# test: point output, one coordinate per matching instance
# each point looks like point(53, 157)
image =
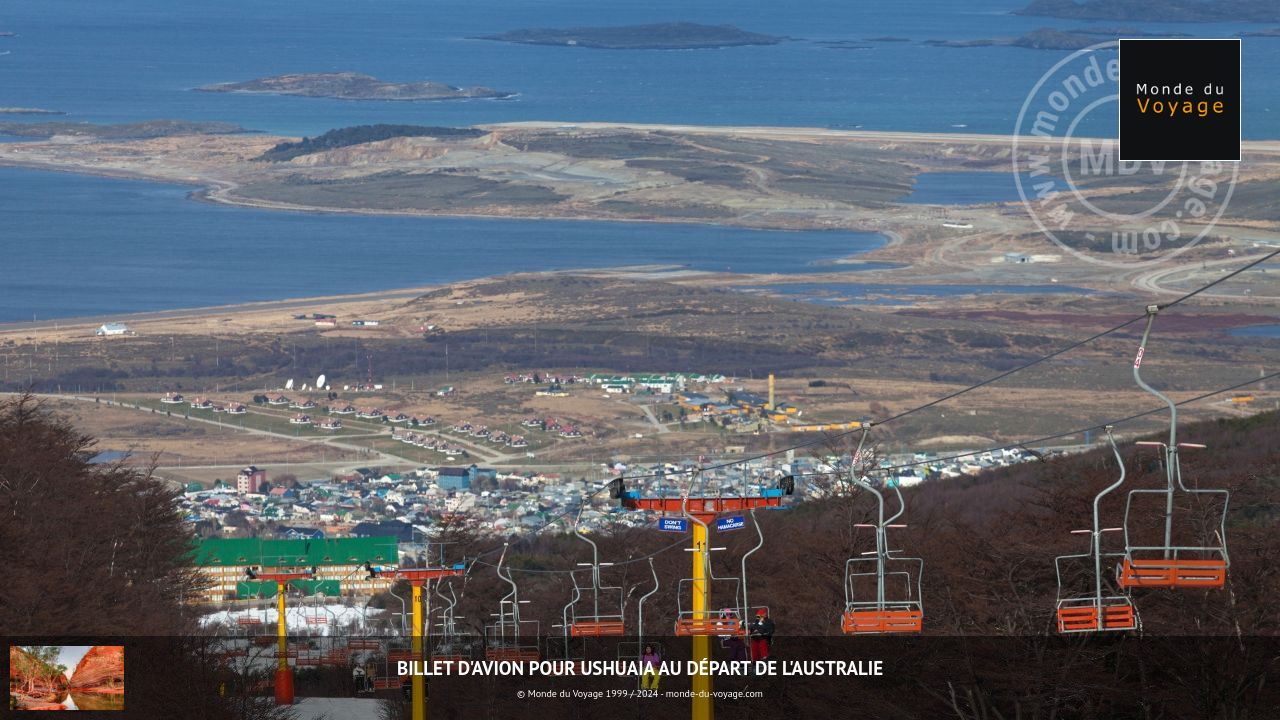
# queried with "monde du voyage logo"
point(1162, 187)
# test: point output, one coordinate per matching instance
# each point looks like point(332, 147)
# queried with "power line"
point(1077, 431)
point(655, 553)
point(950, 396)
point(1222, 279)
point(905, 465)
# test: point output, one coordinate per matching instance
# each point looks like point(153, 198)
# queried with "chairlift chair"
point(504, 638)
point(890, 612)
point(629, 650)
point(318, 616)
point(593, 615)
point(1172, 563)
point(452, 645)
point(1098, 611)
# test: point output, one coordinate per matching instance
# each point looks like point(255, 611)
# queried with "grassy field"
point(864, 360)
point(256, 419)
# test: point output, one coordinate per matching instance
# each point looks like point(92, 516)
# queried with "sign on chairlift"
point(667, 524)
point(737, 522)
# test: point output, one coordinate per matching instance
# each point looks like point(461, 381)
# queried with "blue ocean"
point(129, 246)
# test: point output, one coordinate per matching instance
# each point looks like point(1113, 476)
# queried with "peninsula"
point(353, 86)
point(122, 131)
point(662, 36)
point(770, 178)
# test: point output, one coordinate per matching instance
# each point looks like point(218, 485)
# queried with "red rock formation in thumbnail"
point(100, 670)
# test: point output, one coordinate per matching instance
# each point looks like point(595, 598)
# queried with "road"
point(373, 456)
point(653, 420)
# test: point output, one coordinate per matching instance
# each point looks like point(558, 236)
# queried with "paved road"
point(653, 420)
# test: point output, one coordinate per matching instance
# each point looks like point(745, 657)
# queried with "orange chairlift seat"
point(387, 682)
point(1102, 609)
point(508, 637)
point(1195, 557)
point(319, 615)
point(897, 606)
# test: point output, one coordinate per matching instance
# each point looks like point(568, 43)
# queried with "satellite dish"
point(289, 385)
point(304, 387)
point(320, 380)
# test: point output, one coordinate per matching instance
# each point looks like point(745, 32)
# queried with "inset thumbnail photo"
point(66, 677)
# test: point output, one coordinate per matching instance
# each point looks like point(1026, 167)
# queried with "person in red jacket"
point(761, 632)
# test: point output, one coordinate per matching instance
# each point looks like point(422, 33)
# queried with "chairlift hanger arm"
point(1152, 310)
point(746, 607)
point(1113, 486)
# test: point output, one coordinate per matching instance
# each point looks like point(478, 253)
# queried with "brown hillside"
point(988, 543)
point(989, 649)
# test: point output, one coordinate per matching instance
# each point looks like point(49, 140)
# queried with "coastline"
point(213, 192)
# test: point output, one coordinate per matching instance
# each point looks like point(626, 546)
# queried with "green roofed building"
point(339, 564)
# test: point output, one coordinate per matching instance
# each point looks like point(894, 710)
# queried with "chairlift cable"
point(950, 396)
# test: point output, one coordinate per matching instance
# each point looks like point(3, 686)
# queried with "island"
point(1157, 10)
point(661, 36)
point(28, 111)
point(842, 45)
point(353, 86)
point(1039, 39)
point(123, 131)
point(1128, 32)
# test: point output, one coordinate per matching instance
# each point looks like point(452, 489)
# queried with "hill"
point(360, 134)
point(989, 591)
point(989, 543)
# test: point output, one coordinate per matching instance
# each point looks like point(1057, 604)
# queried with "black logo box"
point(1181, 65)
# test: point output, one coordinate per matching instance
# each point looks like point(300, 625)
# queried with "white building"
point(114, 328)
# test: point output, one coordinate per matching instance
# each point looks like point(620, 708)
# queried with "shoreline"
point(213, 193)
point(636, 272)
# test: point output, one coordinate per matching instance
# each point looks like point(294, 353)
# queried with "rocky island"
point(1157, 10)
point(662, 36)
point(353, 86)
point(1039, 39)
